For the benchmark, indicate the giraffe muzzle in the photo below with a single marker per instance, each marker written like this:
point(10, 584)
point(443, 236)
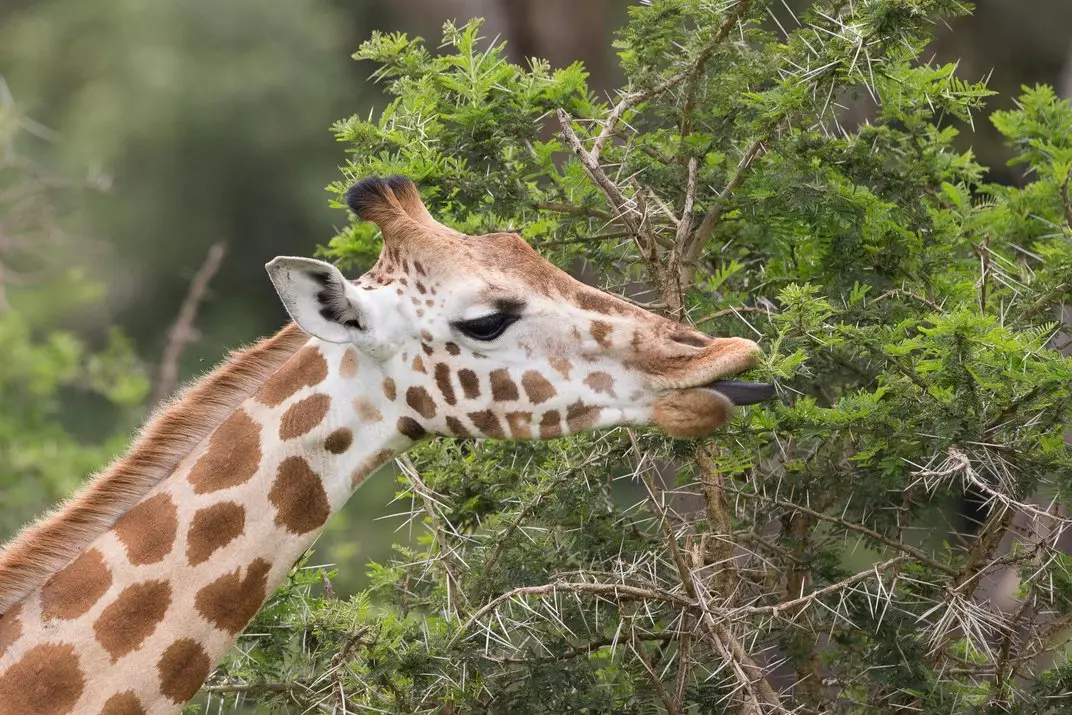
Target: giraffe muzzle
point(743, 393)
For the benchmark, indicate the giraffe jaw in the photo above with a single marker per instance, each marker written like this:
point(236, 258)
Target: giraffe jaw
point(743, 393)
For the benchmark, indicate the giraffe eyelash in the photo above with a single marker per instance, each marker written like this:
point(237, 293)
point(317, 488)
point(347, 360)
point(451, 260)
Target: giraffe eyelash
point(488, 327)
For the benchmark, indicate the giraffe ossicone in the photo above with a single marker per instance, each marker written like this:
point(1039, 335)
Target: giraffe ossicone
point(124, 598)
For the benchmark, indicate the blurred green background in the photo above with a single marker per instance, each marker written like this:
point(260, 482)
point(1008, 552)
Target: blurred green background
point(134, 136)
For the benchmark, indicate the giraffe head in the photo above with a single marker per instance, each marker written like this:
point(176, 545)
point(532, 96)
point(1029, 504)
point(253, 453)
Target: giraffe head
point(480, 336)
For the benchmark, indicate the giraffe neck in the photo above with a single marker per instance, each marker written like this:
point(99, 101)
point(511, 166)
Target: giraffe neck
point(140, 617)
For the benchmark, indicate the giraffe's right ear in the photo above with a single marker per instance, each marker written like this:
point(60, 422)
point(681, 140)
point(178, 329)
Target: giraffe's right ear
point(317, 296)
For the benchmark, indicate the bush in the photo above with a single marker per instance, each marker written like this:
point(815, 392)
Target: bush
point(794, 181)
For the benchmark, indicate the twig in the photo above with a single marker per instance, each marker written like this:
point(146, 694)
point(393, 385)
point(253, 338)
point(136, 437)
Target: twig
point(182, 330)
point(616, 590)
point(455, 594)
point(631, 99)
point(688, 252)
point(731, 311)
point(859, 528)
point(800, 603)
point(252, 688)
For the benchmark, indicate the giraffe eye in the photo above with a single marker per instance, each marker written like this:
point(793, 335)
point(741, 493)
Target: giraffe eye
point(487, 327)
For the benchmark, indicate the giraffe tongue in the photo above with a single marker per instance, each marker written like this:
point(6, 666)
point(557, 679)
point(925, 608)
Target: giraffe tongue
point(743, 393)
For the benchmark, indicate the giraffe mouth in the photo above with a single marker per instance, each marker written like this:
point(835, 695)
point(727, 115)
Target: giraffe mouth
point(743, 393)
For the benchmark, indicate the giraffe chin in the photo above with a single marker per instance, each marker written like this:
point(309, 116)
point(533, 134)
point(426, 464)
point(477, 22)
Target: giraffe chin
point(687, 414)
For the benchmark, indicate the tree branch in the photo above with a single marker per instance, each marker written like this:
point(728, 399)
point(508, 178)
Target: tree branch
point(182, 330)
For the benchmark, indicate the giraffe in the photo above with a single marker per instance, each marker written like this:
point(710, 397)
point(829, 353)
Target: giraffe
point(124, 598)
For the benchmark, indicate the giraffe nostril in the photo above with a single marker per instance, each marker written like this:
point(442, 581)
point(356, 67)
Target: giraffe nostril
point(694, 340)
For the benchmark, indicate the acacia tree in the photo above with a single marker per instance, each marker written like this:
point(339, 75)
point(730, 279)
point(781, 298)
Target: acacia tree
point(802, 560)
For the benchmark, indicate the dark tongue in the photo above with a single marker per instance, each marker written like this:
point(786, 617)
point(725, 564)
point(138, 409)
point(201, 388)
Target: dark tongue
point(743, 393)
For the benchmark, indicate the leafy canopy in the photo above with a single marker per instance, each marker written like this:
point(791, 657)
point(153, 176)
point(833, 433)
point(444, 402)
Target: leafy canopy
point(789, 178)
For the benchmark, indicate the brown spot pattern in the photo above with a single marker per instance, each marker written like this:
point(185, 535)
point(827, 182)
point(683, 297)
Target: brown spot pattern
point(537, 387)
point(428, 349)
point(503, 388)
point(442, 379)
point(182, 669)
point(306, 368)
point(601, 332)
point(47, 680)
point(411, 428)
point(601, 303)
point(73, 590)
point(601, 382)
point(232, 457)
point(562, 366)
point(123, 704)
point(520, 424)
point(212, 528)
point(418, 365)
point(366, 410)
point(303, 416)
point(348, 364)
point(580, 416)
point(418, 398)
point(453, 349)
point(10, 628)
point(369, 466)
point(148, 530)
point(550, 425)
point(230, 602)
point(470, 383)
point(339, 441)
point(298, 496)
point(456, 427)
point(132, 617)
point(389, 390)
point(488, 423)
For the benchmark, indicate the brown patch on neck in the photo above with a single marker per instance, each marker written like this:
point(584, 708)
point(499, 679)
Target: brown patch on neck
point(411, 428)
point(125, 624)
point(550, 425)
point(601, 382)
point(442, 378)
point(299, 498)
point(306, 369)
point(182, 668)
point(537, 387)
point(47, 680)
point(520, 424)
point(470, 383)
point(73, 590)
point(230, 602)
point(301, 417)
point(503, 387)
point(367, 411)
point(213, 528)
point(580, 417)
point(419, 399)
point(339, 441)
point(123, 704)
point(348, 364)
point(369, 466)
point(488, 423)
point(10, 628)
point(601, 331)
point(232, 457)
point(562, 366)
point(45, 547)
point(148, 530)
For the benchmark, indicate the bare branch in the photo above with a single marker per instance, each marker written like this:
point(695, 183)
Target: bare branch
point(182, 330)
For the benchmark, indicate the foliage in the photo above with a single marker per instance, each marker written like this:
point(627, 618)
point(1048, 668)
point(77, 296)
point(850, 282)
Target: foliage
point(794, 181)
point(48, 372)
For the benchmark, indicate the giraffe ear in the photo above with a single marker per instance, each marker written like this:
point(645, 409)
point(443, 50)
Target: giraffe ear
point(317, 296)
